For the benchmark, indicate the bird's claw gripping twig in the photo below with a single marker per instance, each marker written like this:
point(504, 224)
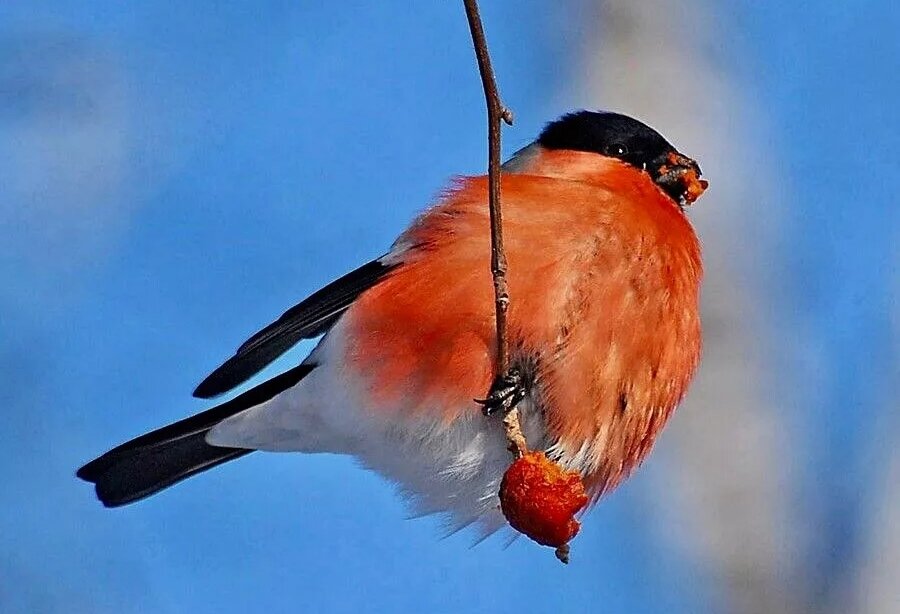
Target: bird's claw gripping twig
point(505, 393)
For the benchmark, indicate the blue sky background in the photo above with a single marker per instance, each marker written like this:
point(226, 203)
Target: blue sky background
point(173, 176)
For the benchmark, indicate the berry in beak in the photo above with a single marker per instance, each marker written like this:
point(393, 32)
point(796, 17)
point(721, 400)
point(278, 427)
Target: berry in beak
point(679, 177)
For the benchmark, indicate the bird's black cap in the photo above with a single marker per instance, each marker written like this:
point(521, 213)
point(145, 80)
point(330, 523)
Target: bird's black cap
point(610, 134)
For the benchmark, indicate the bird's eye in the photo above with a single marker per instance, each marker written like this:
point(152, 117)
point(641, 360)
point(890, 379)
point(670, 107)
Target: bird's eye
point(617, 149)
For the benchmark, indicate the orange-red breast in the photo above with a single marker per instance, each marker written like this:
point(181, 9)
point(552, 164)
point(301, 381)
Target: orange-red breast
point(604, 278)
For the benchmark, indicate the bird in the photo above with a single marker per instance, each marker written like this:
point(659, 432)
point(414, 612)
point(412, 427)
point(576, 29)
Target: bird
point(604, 277)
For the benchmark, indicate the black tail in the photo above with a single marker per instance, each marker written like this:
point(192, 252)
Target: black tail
point(152, 462)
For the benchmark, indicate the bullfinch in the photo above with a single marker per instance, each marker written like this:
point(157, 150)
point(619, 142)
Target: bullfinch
point(604, 329)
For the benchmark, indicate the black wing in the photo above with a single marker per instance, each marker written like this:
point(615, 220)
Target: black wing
point(310, 318)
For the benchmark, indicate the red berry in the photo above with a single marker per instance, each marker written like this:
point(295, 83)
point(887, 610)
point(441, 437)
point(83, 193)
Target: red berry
point(540, 499)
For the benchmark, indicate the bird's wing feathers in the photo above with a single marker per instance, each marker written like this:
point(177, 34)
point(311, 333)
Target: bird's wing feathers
point(309, 318)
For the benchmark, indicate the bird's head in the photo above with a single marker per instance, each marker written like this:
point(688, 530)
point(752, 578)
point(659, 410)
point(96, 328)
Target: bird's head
point(618, 136)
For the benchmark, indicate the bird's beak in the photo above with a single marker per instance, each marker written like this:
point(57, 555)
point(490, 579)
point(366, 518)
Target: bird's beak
point(679, 177)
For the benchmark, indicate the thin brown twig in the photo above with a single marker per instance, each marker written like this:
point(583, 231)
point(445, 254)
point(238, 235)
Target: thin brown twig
point(496, 113)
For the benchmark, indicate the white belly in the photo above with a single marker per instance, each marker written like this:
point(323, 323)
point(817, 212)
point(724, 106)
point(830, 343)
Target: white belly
point(451, 468)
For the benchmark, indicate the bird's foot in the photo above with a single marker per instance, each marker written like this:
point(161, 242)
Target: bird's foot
point(505, 393)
